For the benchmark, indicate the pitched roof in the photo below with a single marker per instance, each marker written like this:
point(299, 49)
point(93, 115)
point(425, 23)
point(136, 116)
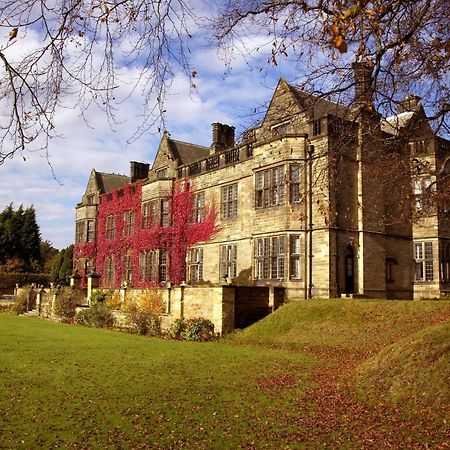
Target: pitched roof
point(107, 182)
point(393, 124)
point(187, 153)
point(321, 105)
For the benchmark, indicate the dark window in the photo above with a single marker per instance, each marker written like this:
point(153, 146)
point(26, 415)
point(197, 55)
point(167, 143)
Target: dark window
point(423, 258)
point(270, 258)
point(294, 180)
point(90, 230)
point(316, 126)
point(228, 258)
point(165, 213)
point(161, 174)
point(390, 264)
point(445, 262)
point(128, 223)
point(198, 208)
point(109, 270)
point(270, 187)
point(127, 269)
point(295, 267)
point(195, 265)
point(282, 129)
point(148, 265)
point(79, 231)
point(229, 201)
point(110, 227)
point(162, 265)
point(422, 192)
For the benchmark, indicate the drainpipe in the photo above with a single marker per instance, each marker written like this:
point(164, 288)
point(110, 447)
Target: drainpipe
point(310, 151)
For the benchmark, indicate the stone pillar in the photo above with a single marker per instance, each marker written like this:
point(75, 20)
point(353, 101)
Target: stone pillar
point(39, 300)
point(93, 282)
point(75, 281)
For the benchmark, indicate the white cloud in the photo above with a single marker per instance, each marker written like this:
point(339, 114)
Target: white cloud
point(220, 96)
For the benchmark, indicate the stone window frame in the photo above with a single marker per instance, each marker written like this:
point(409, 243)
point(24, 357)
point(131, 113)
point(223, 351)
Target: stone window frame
point(229, 201)
point(90, 230)
point(110, 226)
point(198, 207)
point(389, 269)
point(228, 260)
point(148, 266)
point(445, 261)
point(161, 174)
point(128, 222)
point(79, 231)
point(422, 193)
point(295, 257)
point(317, 127)
point(270, 187)
point(127, 273)
point(108, 270)
point(164, 212)
point(294, 182)
point(195, 264)
point(282, 129)
point(270, 258)
point(423, 261)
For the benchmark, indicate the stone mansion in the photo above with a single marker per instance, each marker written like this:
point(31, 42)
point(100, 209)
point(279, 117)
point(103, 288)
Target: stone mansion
point(321, 199)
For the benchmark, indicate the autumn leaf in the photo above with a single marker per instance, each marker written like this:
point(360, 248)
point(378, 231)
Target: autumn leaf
point(13, 34)
point(339, 42)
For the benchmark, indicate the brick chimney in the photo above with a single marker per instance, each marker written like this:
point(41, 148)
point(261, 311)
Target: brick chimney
point(364, 88)
point(138, 171)
point(222, 137)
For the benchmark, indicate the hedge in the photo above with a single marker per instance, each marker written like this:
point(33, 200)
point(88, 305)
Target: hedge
point(9, 280)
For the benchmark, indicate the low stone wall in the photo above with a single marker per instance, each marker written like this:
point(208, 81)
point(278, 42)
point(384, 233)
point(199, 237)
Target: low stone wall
point(215, 303)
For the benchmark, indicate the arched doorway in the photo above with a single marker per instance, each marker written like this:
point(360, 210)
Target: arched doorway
point(349, 270)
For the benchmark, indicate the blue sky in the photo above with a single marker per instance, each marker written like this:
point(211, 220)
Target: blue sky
point(224, 93)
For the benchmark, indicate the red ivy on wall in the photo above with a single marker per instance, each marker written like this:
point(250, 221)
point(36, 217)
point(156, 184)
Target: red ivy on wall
point(175, 239)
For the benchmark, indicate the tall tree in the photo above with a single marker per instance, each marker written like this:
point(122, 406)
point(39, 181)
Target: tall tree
point(81, 46)
point(20, 238)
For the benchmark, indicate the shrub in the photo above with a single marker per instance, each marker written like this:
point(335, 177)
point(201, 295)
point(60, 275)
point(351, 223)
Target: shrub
point(98, 297)
point(143, 322)
point(113, 300)
point(98, 316)
point(25, 300)
point(143, 313)
point(197, 329)
point(6, 307)
point(66, 302)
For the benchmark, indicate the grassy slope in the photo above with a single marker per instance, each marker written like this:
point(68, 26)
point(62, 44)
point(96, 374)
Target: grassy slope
point(66, 386)
point(356, 325)
point(415, 369)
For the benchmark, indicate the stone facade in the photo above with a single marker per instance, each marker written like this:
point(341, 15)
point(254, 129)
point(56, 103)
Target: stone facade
point(321, 199)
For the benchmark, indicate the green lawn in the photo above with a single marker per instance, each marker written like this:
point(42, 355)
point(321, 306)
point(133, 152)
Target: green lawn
point(66, 385)
point(293, 380)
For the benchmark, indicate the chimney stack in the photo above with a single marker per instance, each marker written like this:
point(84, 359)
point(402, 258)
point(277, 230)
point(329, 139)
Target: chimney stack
point(364, 88)
point(138, 171)
point(222, 137)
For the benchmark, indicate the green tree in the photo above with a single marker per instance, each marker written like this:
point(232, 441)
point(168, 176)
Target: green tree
point(20, 239)
point(63, 267)
point(48, 256)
